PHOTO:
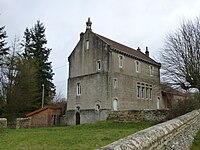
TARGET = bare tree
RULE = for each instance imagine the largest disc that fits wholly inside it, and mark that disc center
(181, 56)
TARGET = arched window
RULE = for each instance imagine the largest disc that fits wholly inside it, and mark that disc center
(115, 104)
(97, 107)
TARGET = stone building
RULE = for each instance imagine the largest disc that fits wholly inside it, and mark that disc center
(45, 117)
(106, 76)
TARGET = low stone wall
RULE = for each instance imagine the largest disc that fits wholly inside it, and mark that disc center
(138, 115)
(175, 134)
(3, 123)
(23, 123)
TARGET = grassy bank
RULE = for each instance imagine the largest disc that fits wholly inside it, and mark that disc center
(83, 137)
(196, 142)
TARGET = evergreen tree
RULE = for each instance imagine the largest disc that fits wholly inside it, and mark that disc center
(3, 56)
(35, 48)
(3, 48)
(25, 91)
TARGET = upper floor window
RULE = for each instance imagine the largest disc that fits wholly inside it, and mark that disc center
(121, 61)
(137, 66)
(87, 44)
(98, 64)
(78, 89)
(115, 83)
(151, 69)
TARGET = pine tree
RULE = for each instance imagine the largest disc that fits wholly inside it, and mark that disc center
(3, 56)
(3, 48)
(35, 48)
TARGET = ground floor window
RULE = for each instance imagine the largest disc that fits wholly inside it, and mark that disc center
(115, 105)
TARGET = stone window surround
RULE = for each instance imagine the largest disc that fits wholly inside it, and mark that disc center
(87, 44)
(115, 83)
(137, 66)
(78, 88)
(151, 70)
(121, 61)
(115, 99)
(98, 65)
(146, 93)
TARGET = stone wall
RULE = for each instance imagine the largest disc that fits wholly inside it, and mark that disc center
(174, 134)
(138, 115)
(3, 123)
(23, 123)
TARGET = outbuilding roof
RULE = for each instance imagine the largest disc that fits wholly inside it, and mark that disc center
(42, 109)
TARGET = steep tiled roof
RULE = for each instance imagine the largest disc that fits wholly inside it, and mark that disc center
(127, 50)
(42, 109)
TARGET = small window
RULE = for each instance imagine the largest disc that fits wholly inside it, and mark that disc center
(151, 69)
(137, 66)
(138, 90)
(121, 61)
(87, 44)
(98, 64)
(97, 107)
(78, 89)
(115, 83)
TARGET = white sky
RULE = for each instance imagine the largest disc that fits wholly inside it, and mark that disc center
(131, 22)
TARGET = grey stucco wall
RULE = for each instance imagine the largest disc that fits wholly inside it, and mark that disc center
(176, 134)
(86, 116)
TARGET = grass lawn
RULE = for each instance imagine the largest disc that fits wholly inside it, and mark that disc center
(83, 137)
(196, 142)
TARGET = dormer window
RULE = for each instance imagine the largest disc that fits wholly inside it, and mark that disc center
(98, 65)
(121, 61)
(137, 66)
(87, 44)
(151, 69)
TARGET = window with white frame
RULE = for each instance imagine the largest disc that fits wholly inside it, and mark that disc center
(137, 66)
(78, 89)
(147, 91)
(115, 83)
(142, 91)
(121, 61)
(150, 92)
(98, 64)
(151, 69)
(138, 89)
(87, 44)
(115, 104)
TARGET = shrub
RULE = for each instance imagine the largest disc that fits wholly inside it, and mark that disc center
(184, 106)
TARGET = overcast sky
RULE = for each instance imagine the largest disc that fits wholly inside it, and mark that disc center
(131, 22)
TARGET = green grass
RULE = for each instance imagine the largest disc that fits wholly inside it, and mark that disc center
(196, 142)
(83, 137)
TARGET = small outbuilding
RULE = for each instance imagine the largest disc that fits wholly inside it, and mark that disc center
(45, 117)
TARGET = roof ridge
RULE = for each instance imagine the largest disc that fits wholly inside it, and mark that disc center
(126, 49)
(116, 42)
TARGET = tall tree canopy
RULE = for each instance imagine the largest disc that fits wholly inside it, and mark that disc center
(181, 56)
(3, 56)
(35, 49)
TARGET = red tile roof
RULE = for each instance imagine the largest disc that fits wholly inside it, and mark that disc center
(42, 109)
(127, 50)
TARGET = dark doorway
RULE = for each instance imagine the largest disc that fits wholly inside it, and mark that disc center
(77, 118)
